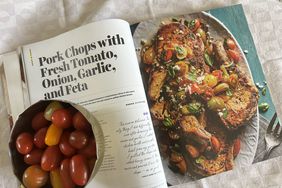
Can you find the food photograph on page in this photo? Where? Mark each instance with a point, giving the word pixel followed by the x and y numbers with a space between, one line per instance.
pixel 201 95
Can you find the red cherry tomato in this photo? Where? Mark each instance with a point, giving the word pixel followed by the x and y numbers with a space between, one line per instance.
pixel 230 44
pixel 34 177
pixel 233 55
pixel 65 174
pixel 79 170
pixel 39 138
pixel 24 143
pixel 51 158
pixel 78 139
pixel 65 146
pixel 195 25
pixel 80 122
pixel 39 121
pixel 89 151
pixel 34 157
pixel 62 118
pixel 167 55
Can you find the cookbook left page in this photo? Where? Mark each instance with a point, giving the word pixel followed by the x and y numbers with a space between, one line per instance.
pixel 96 66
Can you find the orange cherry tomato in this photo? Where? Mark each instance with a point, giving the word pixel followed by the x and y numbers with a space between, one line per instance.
pixel 39 138
pixel 230 44
pixel 51 158
pixel 53 135
pixel 39 121
pixel 196 25
pixel 89 151
pixel 80 122
pixel 78 139
pixel 196 89
pixel 34 177
pixel 65 146
pixel 167 55
pixel 218 74
pixel 55 178
pixel 24 143
pixel 65 174
pixel 233 55
pixel 79 170
pixel 34 157
pixel 62 118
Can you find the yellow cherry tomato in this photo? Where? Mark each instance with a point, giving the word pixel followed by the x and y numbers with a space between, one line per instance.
pixel 56 179
pixel 53 135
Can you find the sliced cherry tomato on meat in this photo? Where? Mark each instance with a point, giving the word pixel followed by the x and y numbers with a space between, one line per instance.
pixel 233 55
pixel 65 174
pixel 79 170
pixel 80 122
pixel 218 74
pixel 62 118
pixel 39 138
pixel 65 146
pixel 230 44
pixel 51 158
pixel 167 55
pixel 78 139
pixel 39 121
pixel 196 89
pixel 195 24
pixel 53 135
pixel 34 177
pixel 34 157
pixel 24 143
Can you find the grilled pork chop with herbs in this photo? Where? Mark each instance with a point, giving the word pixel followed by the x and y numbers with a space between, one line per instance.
pixel 190 77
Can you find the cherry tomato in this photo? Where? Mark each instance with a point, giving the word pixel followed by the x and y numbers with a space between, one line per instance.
pixel 51 158
pixel 24 143
pixel 196 24
pixel 55 178
pixel 39 138
pixel 236 147
pixel 233 55
pixel 62 118
pixel 65 146
pixel 89 151
pixel 78 139
pixel 53 135
pixel 80 122
pixel 38 121
pixel 79 170
pixel 34 157
pixel 230 44
pixel 218 74
pixel 167 55
pixel 53 106
pixel 65 174
pixel 72 110
pixel 34 177
pixel 196 89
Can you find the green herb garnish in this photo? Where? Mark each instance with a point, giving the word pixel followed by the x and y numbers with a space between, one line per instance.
pixel 263 91
pixel 225 113
pixel 168 122
pixel 195 107
pixel 208 59
pixel 229 92
pixel 171 71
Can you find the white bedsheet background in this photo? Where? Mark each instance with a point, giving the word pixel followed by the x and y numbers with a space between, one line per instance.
pixel 26 21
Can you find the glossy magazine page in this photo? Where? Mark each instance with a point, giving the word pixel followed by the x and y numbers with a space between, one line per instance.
pixel 204 86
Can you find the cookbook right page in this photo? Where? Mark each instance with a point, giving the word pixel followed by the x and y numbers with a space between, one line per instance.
pixel 204 84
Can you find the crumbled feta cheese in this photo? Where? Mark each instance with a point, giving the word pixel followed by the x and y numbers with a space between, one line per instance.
pixel 220 114
pixel 176 67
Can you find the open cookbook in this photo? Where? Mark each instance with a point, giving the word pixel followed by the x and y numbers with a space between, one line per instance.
pixel 175 97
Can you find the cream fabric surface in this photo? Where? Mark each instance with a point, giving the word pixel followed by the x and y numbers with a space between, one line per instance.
pixel 27 21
